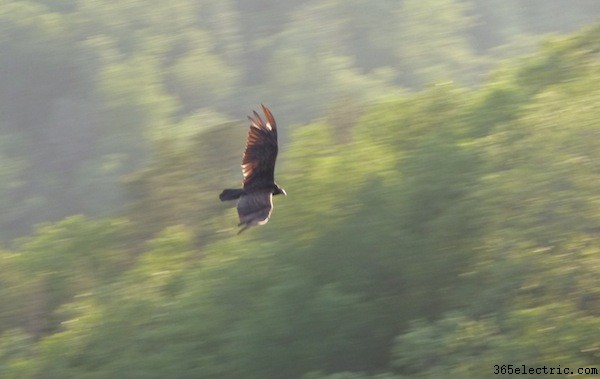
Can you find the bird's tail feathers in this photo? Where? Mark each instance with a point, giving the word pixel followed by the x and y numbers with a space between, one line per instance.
pixel 231 194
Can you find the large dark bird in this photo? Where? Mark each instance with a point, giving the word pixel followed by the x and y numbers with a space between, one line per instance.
pixel 255 198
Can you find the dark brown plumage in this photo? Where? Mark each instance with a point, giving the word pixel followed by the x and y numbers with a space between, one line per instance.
pixel 255 198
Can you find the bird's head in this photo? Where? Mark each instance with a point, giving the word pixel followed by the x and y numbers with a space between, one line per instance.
pixel 278 190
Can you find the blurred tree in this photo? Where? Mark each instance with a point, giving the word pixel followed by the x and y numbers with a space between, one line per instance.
pixel 68 258
pixel 42 81
pixel 200 77
pixel 457 345
pixel 86 80
pixel 432 234
pixel 182 185
pixel 434 45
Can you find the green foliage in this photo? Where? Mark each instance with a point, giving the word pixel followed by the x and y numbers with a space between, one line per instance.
pixel 456 345
pixel 90 86
pixel 201 78
pixel 69 258
pixel 434 46
pixel 181 187
pixel 431 234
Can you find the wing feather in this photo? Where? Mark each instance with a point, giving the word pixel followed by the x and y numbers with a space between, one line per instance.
pixel 258 161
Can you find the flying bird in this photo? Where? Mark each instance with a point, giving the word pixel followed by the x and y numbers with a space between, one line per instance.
pixel 255 198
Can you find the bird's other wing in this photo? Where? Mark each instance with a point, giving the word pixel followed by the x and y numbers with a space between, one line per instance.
pixel 258 162
pixel 255 207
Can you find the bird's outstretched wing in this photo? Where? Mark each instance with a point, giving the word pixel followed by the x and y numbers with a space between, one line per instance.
pixel 255 208
pixel 258 162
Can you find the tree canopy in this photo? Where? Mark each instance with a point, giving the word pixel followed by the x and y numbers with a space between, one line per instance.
pixel 442 216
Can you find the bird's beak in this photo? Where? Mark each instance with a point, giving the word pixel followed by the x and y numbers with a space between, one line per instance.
pixel 283 192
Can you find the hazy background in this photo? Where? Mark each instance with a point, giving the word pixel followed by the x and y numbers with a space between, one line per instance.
pixel 442 160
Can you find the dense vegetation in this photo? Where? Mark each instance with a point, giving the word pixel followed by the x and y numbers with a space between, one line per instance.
pixel 431 230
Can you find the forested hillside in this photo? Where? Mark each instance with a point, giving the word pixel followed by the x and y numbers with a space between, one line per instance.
pixel 443 213
pixel 89 87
